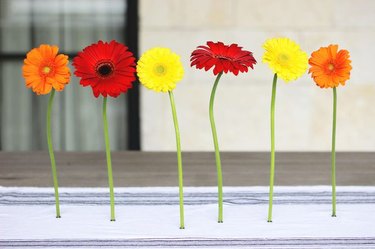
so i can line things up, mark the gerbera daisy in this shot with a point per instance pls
(160, 69)
(107, 67)
(289, 62)
(44, 69)
(223, 58)
(330, 67)
(285, 58)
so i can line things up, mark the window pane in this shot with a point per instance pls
(72, 25)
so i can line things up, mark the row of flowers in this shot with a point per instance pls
(110, 69)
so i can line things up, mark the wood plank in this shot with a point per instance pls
(88, 169)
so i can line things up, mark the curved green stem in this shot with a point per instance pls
(109, 162)
(179, 160)
(333, 151)
(272, 164)
(217, 151)
(51, 154)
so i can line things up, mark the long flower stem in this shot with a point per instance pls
(272, 164)
(109, 162)
(179, 161)
(51, 154)
(333, 151)
(217, 151)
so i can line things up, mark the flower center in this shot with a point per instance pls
(46, 70)
(331, 67)
(222, 57)
(104, 69)
(283, 58)
(160, 70)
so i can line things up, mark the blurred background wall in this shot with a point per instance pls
(303, 110)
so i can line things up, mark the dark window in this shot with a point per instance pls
(71, 25)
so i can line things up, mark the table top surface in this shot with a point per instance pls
(140, 169)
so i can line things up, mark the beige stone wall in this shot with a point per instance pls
(303, 110)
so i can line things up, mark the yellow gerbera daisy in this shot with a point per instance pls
(285, 58)
(159, 69)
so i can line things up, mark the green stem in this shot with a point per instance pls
(109, 162)
(217, 151)
(179, 161)
(51, 154)
(334, 154)
(272, 164)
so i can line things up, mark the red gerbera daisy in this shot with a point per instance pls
(225, 58)
(107, 67)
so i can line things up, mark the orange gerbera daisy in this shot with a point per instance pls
(330, 67)
(43, 69)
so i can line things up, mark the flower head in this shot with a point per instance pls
(330, 67)
(43, 69)
(108, 68)
(223, 58)
(159, 69)
(285, 58)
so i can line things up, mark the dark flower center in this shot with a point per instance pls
(223, 57)
(104, 69)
